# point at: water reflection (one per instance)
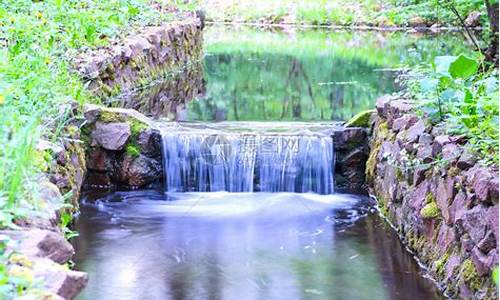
(254, 74)
(136, 245)
(251, 74)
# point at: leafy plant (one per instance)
(454, 91)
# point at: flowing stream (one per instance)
(248, 209)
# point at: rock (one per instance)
(351, 167)
(451, 265)
(446, 237)
(488, 242)
(419, 174)
(444, 195)
(382, 105)
(424, 153)
(417, 198)
(91, 112)
(111, 136)
(50, 193)
(494, 189)
(100, 160)
(466, 160)
(149, 142)
(458, 207)
(435, 27)
(58, 279)
(42, 243)
(484, 263)
(349, 138)
(404, 122)
(480, 177)
(140, 171)
(475, 223)
(417, 22)
(414, 132)
(492, 217)
(451, 152)
(439, 142)
(473, 19)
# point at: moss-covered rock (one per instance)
(362, 119)
(431, 209)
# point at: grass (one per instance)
(338, 12)
(38, 40)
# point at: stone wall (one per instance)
(443, 202)
(123, 148)
(167, 98)
(152, 53)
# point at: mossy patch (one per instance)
(136, 127)
(470, 275)
(108, 116)
(371, 164)
(439, 265)
(362, 119)
(430, 210)
(132, 150)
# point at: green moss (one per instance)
(381, 132)
(439, 265)
(136, 127)
(132, 150)
(108, 116)
(430, 210)
(470, 275)
(362, 119)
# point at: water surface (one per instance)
(254, 74)
(145, 245)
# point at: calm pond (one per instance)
(182, 242)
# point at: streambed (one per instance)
(147, 245)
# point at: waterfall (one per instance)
(209, 161)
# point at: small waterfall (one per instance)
(246, 162)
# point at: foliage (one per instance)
(39, 39)
(452, 91)
(494, 276)
(341, 12)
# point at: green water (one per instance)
(253, 74)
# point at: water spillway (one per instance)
(238, 160)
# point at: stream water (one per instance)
(254, 214)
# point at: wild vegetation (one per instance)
(455, 92)
(38, 40)
(323, 12)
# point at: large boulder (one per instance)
(140, 171)
(111, 136)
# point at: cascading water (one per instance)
(218, 160)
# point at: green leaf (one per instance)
(463, 67)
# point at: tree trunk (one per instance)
(492, 51)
